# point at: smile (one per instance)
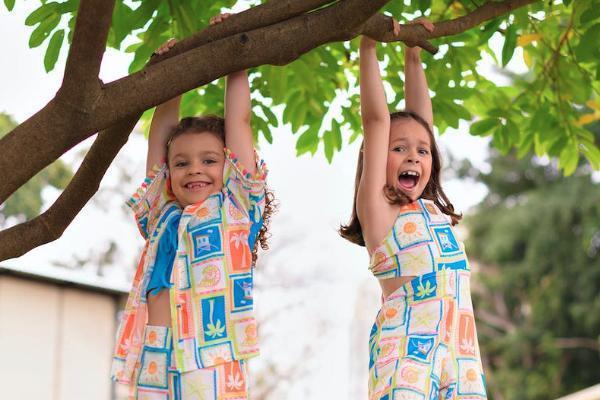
(196, 186)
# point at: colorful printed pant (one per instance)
(157, 378)
(423, 345)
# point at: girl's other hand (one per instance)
(166, 46)
(424, 22)
(217, 19)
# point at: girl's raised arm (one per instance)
(415, 82)
(165, 118)
(370, 202)
(238, 132)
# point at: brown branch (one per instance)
(495, 321)
(167, 79)
(220, 50)
(80, 81)
(416, 35)
(578, 343)
(50, 225)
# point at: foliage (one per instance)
(536, 241)
(546, 111)
(26, 202)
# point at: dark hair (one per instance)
(216, 125)
(433, 190)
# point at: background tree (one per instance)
(546, 111)
(27, 202)
(536, 241)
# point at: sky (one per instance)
(319, 281)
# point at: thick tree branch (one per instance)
(229, 47)
(122, 98)
(263, 15)
(415, 35)
(80, 82)
(50, 225)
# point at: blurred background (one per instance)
(531, 221)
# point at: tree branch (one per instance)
(80, 81)
(377, 27)
(212, 53)
(157, 83)
(578, 343)
(50, 225)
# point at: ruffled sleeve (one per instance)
(247, 188)
(150, 198)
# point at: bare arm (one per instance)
(416, 89)
(238, 132)
(415, 82)
(165, 118)
(371, 206)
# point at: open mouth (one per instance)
(408, 179)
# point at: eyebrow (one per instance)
(421, 142)
(203, 153)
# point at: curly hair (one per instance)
(216, 125)
(433, 190)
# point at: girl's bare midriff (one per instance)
(390, 285)
(159, 311)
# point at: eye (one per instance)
(423, 151)
(209, 161)
(399, 148)
(180, 164)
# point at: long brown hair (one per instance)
(433, 190)
(216, 125)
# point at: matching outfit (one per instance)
(423, 345)
(213, 331)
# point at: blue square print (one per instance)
(242, 286)
(424, 287)
(420, 347)
(446, 241)
(213, 318)
(206, 242)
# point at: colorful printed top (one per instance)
(212, 278)
(421, 241)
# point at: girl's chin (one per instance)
(413, 193)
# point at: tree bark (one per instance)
(276, 33)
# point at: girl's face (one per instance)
(409, 158)
(196, 163)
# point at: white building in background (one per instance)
(57, 330)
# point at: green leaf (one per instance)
(424, 5)
(9, 4)
(590, 14)
(587, 49)
(43, 30)
(568, 159)
(270, 115)
(510, 42)
(328, 146)
(308, 141)
(40, 14)
(592, 153)
(489, 29)
(53, 50)
(483, 127)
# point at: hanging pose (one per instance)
(423, 344)
(188, 326)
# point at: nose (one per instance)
(195, 168)
(412, 158)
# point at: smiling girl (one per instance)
(188, 326)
